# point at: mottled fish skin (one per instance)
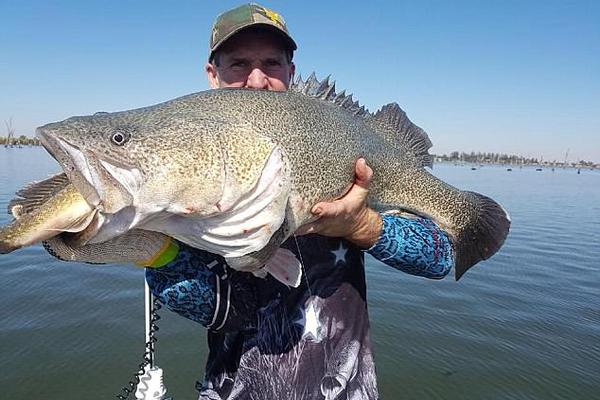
(198, 156)
(66, 210)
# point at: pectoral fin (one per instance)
(285, 267)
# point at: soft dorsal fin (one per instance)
(35, 194)
(325, 90)
(393, 120)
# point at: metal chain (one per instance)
(135, 380)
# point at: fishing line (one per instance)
(302, 265)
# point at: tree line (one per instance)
(509, 159)
(21, 140)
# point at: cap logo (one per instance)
(273, 16)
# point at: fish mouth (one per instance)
(107, 185)
(74, 164)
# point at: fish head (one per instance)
(93, 152)
(150, 160)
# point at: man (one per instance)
(267, 340)
(311, 342)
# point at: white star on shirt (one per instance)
(311, 322)
(340, 254)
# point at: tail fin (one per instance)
(35, 194)
(483, 238)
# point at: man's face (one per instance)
(251, 59)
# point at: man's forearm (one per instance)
(415, 246)
(200, 286)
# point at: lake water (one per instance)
(523, 325)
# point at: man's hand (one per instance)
(349, 217)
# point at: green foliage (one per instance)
(22, 140)
(507, 159)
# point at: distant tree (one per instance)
(502, 158)
(11, 132)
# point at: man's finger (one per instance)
(363, 174)
(330, 209)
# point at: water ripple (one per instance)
(523, 325)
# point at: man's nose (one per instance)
(257, 79)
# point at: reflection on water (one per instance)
(523, 325)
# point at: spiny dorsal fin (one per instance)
(390, 119)
(325, 90)
(35, 194)
(414, 139)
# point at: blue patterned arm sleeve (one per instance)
(415, 246)
(199, 285)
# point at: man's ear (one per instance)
(212, 76)
(292, 72)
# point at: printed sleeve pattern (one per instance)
(415, 246)
(200, 286)
(186, 285)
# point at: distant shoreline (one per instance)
(455, 157)
(544, 165)
(510, 160)
(19, 141)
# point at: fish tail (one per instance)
(6, 248)
(7, 242)
(483, 237)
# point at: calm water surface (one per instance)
(523, 325)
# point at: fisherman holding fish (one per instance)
(228, 228)
(267, 340)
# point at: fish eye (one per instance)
(120, 138)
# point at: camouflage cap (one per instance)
(231, 22)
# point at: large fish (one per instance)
(236, 171)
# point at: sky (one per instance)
(516, 77)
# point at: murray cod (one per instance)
(236, 172)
